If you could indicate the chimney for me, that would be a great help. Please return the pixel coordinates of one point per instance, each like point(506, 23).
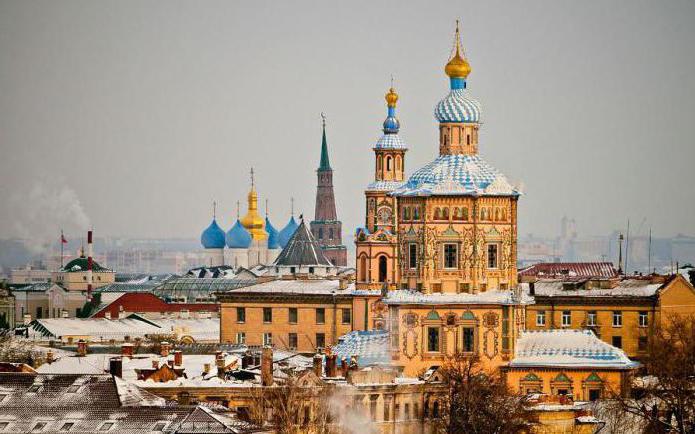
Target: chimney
point(107, 315)
point(331, 365)
point(49, 357)
point(532, 288)
point(344, 367)
point(246, 360)
point(81, 348)
point(155, 364)
point(219, 362)
point(178, 358)
point(127, 350)
point(64, 314)
point(342, 283)
point(90, 252)
point(206, 368)
point(170, 362)
point(27, 319)
point(267, 366)
point(164, 348)
point(116, 366)
point(318, 365)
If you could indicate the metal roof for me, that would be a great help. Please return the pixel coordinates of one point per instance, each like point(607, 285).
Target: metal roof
point(302, 249)
point(570, 269)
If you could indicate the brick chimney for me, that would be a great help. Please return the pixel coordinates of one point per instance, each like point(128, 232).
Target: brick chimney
point(170, 362)
point(206, 368)
point(155, 364)
point(50, 357)
point(344, 367)
point(81, 348)
point(116, 366)
point(267, 366)
point(127, 350)
point(165, 348)
point(318, 365)
point(332, 365)
point(178, 358)
point(220, 363)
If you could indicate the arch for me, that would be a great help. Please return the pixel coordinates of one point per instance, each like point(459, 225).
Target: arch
point(363, 268)
point(416, 213)
point(388, 163)
point(383, 268)
point(445, 214)
point(437, 214)
point(406, 213)
point(378, 163)
point(398, 162)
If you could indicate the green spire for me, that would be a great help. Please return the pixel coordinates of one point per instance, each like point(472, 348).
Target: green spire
point(325, 164)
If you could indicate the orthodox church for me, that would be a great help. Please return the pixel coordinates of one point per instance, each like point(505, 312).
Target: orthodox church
point(251, 241)
point(452, 226)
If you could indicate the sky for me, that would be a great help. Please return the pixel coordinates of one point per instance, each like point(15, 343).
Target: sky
point(132, 117)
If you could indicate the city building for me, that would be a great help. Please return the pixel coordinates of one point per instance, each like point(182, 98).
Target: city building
point(326, 227)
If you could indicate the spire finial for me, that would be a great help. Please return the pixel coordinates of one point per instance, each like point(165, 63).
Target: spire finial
point(292, 206)
point(253, 183)
point(266, 208)
point(323, 120)
point(214, 209)
point(325, 163)
point(238, 205)
point(458, 68)
point(457, 36)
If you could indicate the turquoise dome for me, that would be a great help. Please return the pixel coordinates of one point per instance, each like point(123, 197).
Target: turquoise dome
point(212, 237)
point(287, 232)
point(273, 235)
point(238, 237)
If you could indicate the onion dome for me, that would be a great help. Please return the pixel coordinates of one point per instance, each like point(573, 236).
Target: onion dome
point(457, 175)
point(390, 139)
point(213, 236)
point(457, 106)
point(238, 237)
point(252, 221)
point(287, 232)
point(273, 235)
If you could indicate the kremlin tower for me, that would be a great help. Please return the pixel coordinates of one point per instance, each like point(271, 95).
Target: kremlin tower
point(326, 228)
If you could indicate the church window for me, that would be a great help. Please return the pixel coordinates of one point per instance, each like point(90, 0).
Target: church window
point(492, 259)
point(383, 268)
point(450, 255)
point(363, 269)
point(464, 214)
point(406, 213)
point(398, 162)
point(497, 214)
point(445, 214)
point(433, 339)
point(378, 163)
point(504, 214)
point(412, 256)
point(416, 213)
point(483, 214)
point(468, 339)
point(468, 139)
point(330, 233)
point(388, 163)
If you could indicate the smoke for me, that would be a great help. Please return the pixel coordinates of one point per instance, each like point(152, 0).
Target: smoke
point(40, 210)
point(350, 420)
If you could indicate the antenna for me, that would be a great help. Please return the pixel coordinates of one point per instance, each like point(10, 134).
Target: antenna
point(627, 247)
point(649, 267)
point(391, 81)
point(266, 207)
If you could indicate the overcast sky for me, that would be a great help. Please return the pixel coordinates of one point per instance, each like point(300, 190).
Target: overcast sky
point(133, 116)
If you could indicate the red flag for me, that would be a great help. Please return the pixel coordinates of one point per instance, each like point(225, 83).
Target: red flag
point(62, 239)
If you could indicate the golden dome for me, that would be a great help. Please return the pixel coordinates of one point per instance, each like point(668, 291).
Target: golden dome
point(458, 66)
point(252, 221)
point(391, 98)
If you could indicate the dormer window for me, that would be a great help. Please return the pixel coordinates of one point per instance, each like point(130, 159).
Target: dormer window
point(106, 426)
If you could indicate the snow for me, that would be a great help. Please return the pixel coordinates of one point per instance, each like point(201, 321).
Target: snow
point(407, 296)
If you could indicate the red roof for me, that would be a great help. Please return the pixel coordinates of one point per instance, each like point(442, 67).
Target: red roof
point(146, 302)
point(570, 269)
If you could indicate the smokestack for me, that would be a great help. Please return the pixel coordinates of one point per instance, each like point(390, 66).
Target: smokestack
point(127, 350)
point(267, 366)
point(178, 358)
point(219, 362)
point(81, 348)
point(165, 347)
point(90, 252)
point(116, 366)
point(344, 367)
point(318, 365)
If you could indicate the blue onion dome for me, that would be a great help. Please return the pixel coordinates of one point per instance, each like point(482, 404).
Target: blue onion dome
point(457, 175)
point(238, 237)
point(287, 232)
point(213, 236)
point(273, 235)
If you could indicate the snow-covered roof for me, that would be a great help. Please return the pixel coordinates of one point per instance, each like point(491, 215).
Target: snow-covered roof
point(371, 347)
point(623, 288)
point(298, 286)
point(384, 185)
point(409, 296)
point(570, 269)
point(567, 349)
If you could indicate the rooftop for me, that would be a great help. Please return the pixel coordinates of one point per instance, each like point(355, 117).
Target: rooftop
point(571, 269)
point(620, 288)
point(371, 347)
point(409, 296)
point(302, 250)
point(299, 287)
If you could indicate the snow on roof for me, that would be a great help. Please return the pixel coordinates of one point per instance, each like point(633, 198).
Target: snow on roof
point(371, 347)
point(584, 269)
point(567, 348)
point(625, 288)
point(409, 296)
point(301, 287)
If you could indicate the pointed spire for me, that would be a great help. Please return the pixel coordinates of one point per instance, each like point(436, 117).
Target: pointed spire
point(214, 209)
point(458, 67)
point(253, 181)
point(325, 163)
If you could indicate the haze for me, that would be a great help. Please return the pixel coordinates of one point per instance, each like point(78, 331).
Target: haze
point(134, 116)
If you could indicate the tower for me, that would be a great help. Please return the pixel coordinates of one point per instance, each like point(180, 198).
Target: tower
point(376, 243)
point(255, 225)
point(326, 228)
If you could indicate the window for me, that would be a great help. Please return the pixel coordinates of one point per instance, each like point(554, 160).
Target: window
point(293, 315)
point(566, 318)
point(320, 340)
point(267, 339)
point(492, 256)
point(450, 255)
point(241, 338)
point(4, 425)
point(320, 233)
point(347, 316)
point(159, 426)
point(39, 426)
point(73, 389)
point(468, 340)
point(540, 318)
point(320, 315)
point(594, 394)
point(433, 339)
point(267, 314)
point(617, 318)
point(106, 426)
point(67, 426)
point(643, 319)
point(416, 213)
point(406, 411)
point(330, 233)
point(34, 388)
point(642, 343)
point(591, 318)
point(240, 314)
point(412, 256)
point(617, 341)
point(292, 341)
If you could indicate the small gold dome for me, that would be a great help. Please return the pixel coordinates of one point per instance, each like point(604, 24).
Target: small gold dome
point(391, 98)
point(458, 66)
point(252, 221)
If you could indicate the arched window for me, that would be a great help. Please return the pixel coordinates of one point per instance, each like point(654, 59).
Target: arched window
point(388, 163)
point(363, 268)
point(398, 162)
point(406, 213)
point(504, 214)
point(468, 139)
point(497, 214)
point(378, 163)
point(320, 233)
point(437, 214)
point(416, 213)
point(383, 269)
point(483, 214)
point(464, 215)
point(330, 233)
point(445, 214)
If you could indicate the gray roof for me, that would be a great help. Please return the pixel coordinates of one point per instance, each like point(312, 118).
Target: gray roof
point(302, 249)
point(623, 288)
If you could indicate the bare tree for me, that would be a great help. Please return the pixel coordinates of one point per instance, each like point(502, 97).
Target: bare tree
point(476, 401)
point(665, 399)
point(14, 350)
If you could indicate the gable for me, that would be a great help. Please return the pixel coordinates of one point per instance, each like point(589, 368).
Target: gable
point(562, 378)
point(677, 296)
point(531, 377)
point(593, 378)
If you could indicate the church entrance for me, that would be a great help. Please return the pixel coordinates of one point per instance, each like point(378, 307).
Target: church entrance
point(383, 268)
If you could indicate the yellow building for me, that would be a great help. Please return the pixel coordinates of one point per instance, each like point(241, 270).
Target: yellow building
point(452, 226)
point(621, 311)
